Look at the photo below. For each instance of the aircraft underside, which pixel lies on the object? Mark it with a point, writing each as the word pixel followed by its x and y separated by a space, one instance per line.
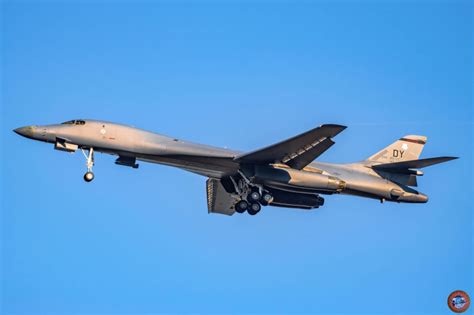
pixel 230 189
pixel 234 187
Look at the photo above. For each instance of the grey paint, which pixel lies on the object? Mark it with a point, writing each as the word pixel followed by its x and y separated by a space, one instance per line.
pixel 283 168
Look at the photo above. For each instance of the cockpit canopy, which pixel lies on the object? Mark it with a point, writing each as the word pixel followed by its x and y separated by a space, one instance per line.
pixel 74 122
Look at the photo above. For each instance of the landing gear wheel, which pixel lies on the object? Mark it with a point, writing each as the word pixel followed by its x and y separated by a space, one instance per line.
pixel 254 196
pixel 254 208
pixel 88 177
pixel 266 199
pixel 241 206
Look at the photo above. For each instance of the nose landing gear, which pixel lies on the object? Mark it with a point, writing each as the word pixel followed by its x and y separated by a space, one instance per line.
pixel 89 176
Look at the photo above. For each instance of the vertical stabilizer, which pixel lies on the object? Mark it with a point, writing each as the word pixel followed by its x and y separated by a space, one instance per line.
pixel 405 149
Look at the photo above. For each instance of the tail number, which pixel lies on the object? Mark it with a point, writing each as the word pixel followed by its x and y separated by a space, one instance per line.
pixel 398 153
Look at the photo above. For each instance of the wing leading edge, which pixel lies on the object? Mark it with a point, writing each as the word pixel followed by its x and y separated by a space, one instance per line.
pixel 296 152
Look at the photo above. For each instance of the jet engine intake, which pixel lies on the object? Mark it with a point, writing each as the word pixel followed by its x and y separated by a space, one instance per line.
pixel 62 145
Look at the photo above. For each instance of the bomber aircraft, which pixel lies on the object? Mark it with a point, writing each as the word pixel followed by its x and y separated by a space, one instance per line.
pixel 282 175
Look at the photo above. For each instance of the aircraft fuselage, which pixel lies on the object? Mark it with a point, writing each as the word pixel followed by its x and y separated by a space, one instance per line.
pixel 132 144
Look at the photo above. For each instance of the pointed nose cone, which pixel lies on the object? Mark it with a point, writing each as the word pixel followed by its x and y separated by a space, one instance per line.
pixel 27 131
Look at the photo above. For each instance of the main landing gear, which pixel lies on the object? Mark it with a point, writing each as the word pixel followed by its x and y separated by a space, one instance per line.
pixel 252 197
pixel 241 206
pixel 254 202
pixel 254 208
pixel 89 175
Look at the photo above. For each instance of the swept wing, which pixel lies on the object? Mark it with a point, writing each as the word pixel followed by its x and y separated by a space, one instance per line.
pixel 296 152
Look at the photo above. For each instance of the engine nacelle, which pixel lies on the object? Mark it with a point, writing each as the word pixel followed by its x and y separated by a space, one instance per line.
pixel 294 200
pixel 287 176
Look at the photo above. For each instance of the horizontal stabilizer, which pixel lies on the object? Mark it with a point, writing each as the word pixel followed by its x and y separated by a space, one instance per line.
pixel 296 152
pixel 403 167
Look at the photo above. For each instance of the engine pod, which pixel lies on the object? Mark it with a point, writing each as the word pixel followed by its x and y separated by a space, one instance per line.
pixel 288 176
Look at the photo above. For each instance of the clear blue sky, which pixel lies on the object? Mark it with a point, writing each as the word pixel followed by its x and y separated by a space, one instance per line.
pixel 240 75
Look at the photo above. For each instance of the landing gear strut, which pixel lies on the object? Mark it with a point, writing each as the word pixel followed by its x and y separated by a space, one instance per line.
pixel 251 196
pixel 89 176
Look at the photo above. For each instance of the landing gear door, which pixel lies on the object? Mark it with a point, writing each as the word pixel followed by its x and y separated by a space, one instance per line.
pixel 218 200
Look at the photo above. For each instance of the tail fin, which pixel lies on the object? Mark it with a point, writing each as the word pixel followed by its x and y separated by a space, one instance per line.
pixel 405 149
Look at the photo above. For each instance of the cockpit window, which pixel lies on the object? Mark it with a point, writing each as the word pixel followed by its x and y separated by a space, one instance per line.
pixel 74 122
